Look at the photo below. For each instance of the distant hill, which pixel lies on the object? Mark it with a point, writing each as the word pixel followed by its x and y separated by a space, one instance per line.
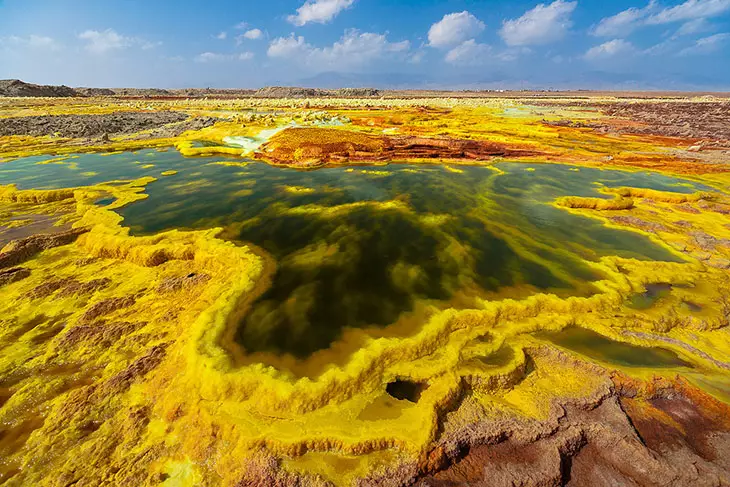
pixel 95 92
pixel 296 92
pixel 15 87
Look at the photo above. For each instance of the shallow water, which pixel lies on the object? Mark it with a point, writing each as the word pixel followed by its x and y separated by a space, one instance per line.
pixel 598 347
pixel 358 247
pixel 654 292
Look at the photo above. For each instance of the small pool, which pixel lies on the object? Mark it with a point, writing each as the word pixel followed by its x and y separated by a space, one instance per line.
pixel 596 346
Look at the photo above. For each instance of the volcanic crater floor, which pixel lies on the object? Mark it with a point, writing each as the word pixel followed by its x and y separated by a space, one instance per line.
pixel 364 292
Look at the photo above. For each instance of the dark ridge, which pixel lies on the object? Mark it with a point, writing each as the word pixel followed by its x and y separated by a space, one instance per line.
pixel 15 87
pixel 296 92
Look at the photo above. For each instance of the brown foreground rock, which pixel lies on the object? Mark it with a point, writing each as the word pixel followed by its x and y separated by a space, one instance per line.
pixel 668 433
pixel 18 251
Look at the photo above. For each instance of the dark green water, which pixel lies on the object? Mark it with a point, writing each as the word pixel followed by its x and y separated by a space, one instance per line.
pixel 654 292
pixel 596 346
pixel 342 265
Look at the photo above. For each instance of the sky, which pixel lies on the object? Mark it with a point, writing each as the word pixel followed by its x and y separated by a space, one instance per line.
pixel 451 44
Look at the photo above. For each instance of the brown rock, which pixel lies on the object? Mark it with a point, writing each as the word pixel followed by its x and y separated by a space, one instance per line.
pixel 19 251
pixel 15 274
pixel 105 307
pixel 172 284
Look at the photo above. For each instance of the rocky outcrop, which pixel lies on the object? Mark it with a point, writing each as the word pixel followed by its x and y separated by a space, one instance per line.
pixel 15 87
pixel 19 251
pixel 296 92
pixel 89 125
pixel 671 434
pixel 95 92
pixel 319 146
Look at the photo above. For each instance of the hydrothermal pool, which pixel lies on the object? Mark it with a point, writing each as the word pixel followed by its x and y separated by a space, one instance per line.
pixel 362 247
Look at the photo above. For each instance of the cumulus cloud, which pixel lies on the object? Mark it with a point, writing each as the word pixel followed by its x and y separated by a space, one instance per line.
pixel 287 47
pixel 454 29
pixel 691 9
pixel 253 34
pixel 354 49
pixel 623 23
pixel 100 42
pixel 609 49
pixel 468 53
pixel 541 25
pixel 320 11
pixel 706 45
pixel 222 36
pixel 212 57
pixel 249 35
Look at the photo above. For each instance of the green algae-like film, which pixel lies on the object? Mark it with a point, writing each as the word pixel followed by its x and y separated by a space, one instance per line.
pixel 361 291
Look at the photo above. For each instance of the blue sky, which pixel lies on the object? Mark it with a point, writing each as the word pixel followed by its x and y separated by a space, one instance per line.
pixel 457 44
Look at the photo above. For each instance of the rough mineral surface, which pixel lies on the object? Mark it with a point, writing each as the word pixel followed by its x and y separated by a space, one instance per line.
pixel 120 359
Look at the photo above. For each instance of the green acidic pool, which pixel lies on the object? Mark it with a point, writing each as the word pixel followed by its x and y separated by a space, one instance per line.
pixel 359 247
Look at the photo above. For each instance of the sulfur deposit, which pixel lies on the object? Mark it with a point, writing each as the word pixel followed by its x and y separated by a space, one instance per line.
pixel 453 294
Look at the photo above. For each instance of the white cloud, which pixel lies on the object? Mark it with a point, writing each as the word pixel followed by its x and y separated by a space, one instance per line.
pixel 667 46
pixel 692 27
pixel 623 23
pixel 691 9
pixel 241 25
pixel 252 34
pixel 706 45
pixel 353 49
pixel 694 14
pixel 286 47
pixel 512 53
pixel 453 29
pixel 417 57
pixel 222 36
pixel 609 49
pixel 41 43
pixel 541 25
pixel 468 53
pixel 101 42
pixel 320 11
pixel 212 57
